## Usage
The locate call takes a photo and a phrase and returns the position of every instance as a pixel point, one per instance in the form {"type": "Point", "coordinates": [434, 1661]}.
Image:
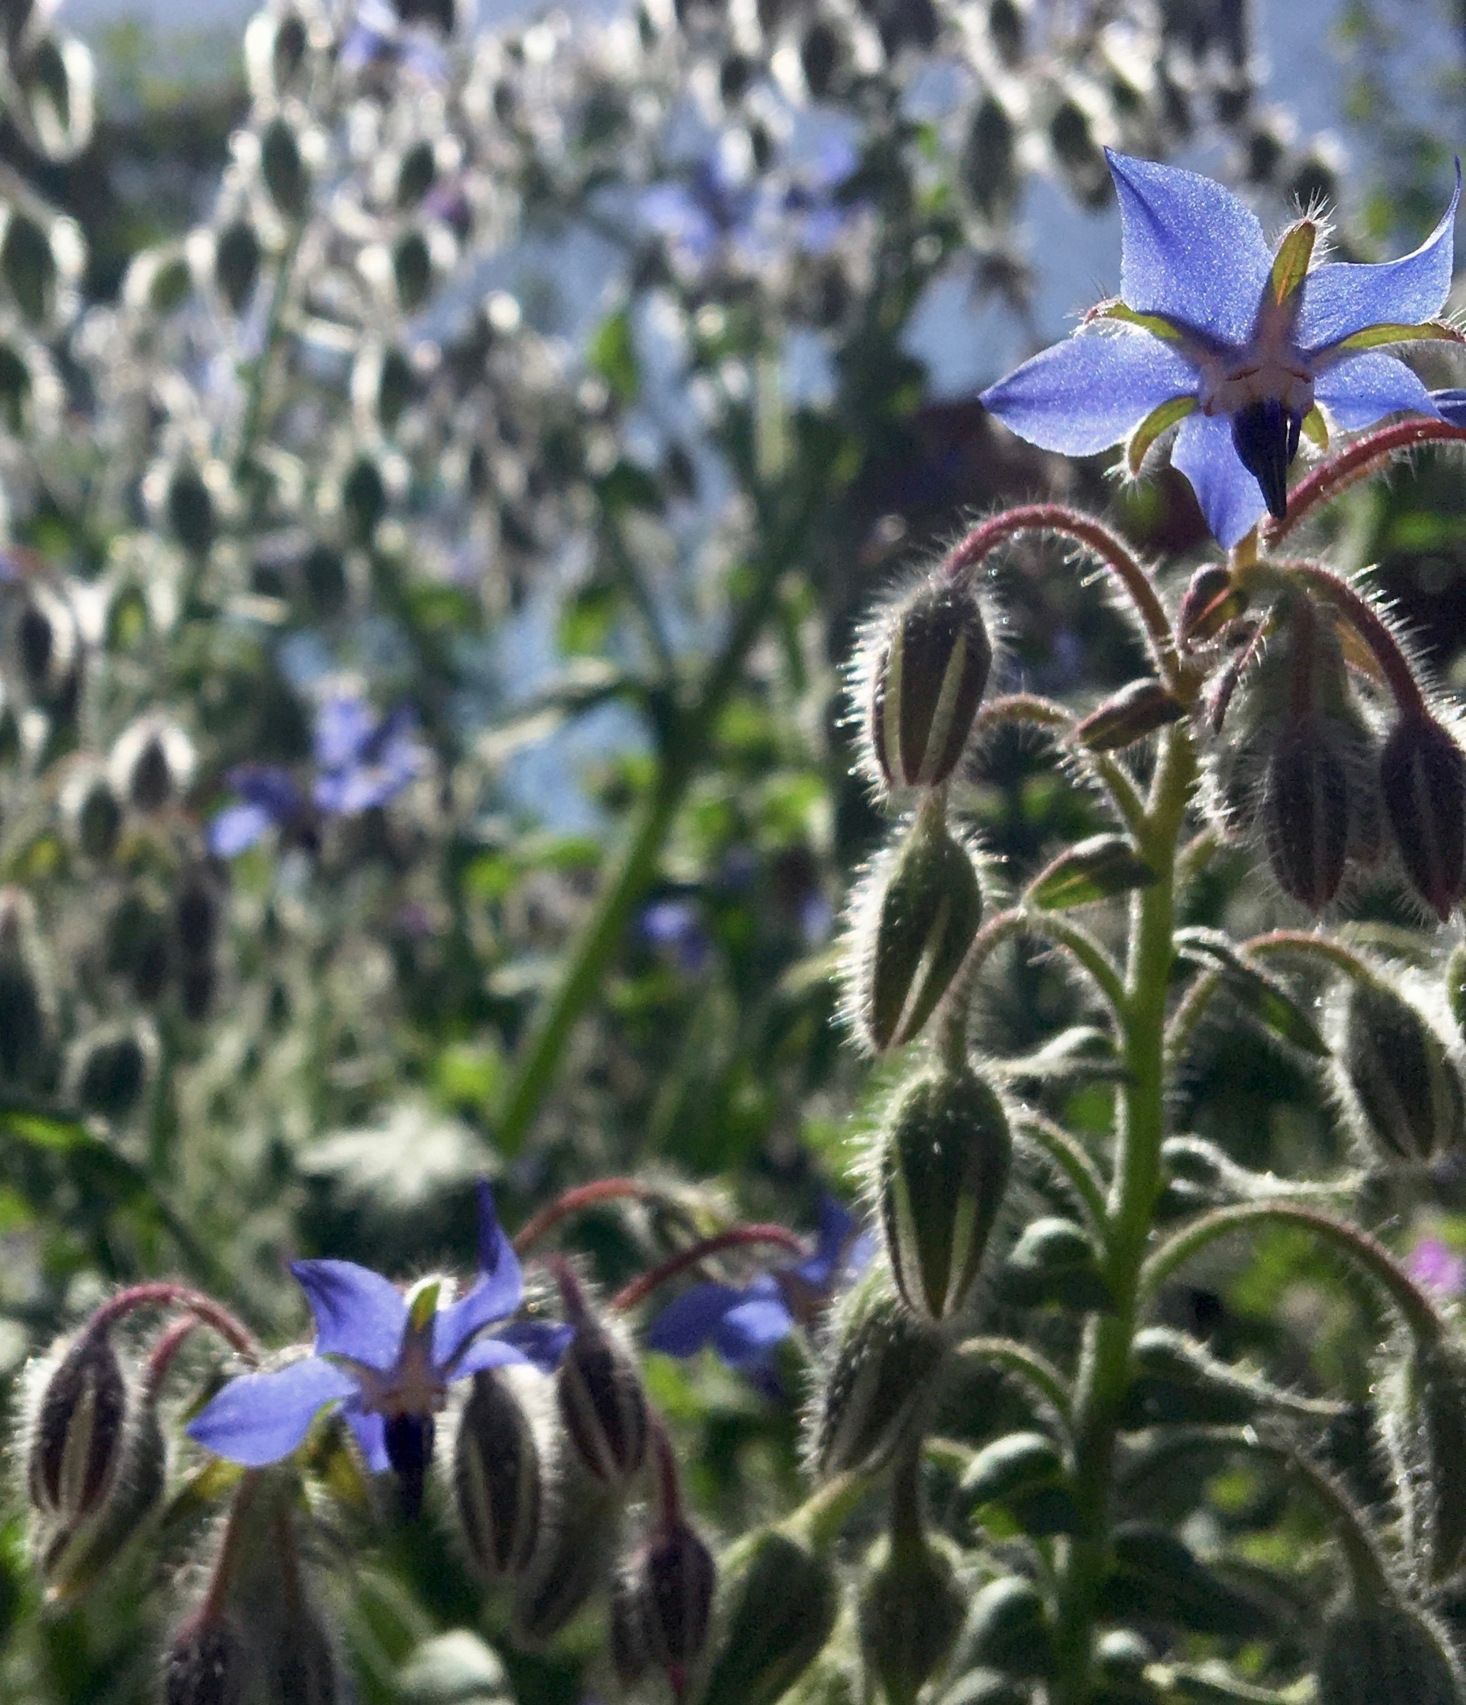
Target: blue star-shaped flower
{"type": "Point", "coordinates": [384, 1359]}
{"type": "Point", "coordinates": [746, 1323]}
{"type": "Point", "coordinates": [362, 761]}
{"type": "Point", "coordinates": [1244, 346]}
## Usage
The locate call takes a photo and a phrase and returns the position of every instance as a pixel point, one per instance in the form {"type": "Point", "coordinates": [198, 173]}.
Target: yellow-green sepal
{"type": "Point", "coordinates": [1290, 263]}
{"type": "Point", "coordinates": [1159, 420]}
{"type": "Point", "coordinates": [422, 1302]}
{"type": "Point", "coordinates": [1315, 428]}
{"type": "Point", "coordinates": [1372, 337]}
{"type": "Point", "coordinates": [1156, 324]}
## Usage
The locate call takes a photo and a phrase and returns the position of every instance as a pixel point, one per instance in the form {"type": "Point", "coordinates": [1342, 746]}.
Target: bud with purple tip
{"type": "Point", "coordinates": [1423, 782]}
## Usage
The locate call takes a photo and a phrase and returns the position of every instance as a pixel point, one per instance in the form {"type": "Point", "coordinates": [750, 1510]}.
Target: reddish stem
{"type": "Point", "coordinates": [161, 1357]}
{"type": "Point", "coordinates": [1371, 628]}
{"type": "Point", "coordinates": [1354, 463]}
{"type": "Point", "coordinates": [1073, 524]}
{"type": "Point", "coordinates": [163, 1294]}
{"type": "Point", "coordinates": [573, 1202]}
{"type": "Point", "coordinates": [739, 1236]}
{"type": "Point", "coordinates": [669, 1486]}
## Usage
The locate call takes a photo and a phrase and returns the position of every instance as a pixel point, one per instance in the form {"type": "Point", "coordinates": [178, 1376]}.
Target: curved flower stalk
{"type": "Point", "coordinates": [1248, 348]}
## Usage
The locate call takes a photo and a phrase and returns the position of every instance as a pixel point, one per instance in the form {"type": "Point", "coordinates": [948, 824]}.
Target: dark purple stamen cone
{"type": "Point", "coordinates": [602, 1404]}
{"type": "Point", "coordinates": [80, 1431]}
{"type": "Point", "coordinates": [1423, 779]}
{"type": "Point", "coordinates": [1265, 436]}
{"type": "Point", "coordinates": [497, 1479]}
{"type": "Point", "coordinates": [680, 1576]}
{"type": "Point", "coordinates": [410, 1450]}
{"type": "Point", "coordinates": [1307, 809]}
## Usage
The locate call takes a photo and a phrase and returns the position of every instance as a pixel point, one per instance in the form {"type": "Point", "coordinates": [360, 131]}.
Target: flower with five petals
{"type": "Point", "coordinates": [385, 1360]}
{"type": "Point", "coordinates": [1246, 347]}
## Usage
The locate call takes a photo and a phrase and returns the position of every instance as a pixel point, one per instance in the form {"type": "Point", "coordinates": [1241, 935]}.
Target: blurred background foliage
{"type": "Point", "coordinates": [474, 446]}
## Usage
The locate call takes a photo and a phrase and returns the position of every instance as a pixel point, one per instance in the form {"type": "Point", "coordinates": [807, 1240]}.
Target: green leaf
{"type": "Point", "coordinates": [1096, 869]}
{"type": "Point", "coordinates": [1254, 990]}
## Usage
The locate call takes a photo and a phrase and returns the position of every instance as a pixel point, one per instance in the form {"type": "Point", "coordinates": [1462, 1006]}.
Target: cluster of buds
{"type": "Point", "coordinates": [1328, 751]}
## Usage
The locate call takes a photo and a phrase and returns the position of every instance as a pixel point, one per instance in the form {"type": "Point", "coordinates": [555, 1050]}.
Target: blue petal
{"type": "Point", "coordinates": [689, 1321]}
{"type": "Point", "coordinates": [358, 1313]}
{"type": "Point", "coordinates": [344, 724]}
{"type": "Point", "coordinates": [486, 1353]}
{"type": "Point", "coordinates": [1361, 388]}
{"type": "Point", "coordinates": [836, 1234]}
{"type": "Point", "coordinates": [371, 1436]}
{"type": "Point", "coordinates": [1451, 406]}
{"type": "Point", "coordinates": [237, 828]}
{"type": "Point", "coordinates": [748, 1332]}
{"type": "Point", "coordinates": [1230, 497]}
{"type": "Point", "coordinates": [1340, 299]}
{"type": "Point", "coordinates": [1189, 249]}
{"type": "Point", "coordinates": [543, 1342]}
{"type": "Point", "coordinates": [1090, 391]}
{"type": "Point", "coordinates": [496, 1295]}
{"type": "Point", "coordinates": [261, 1417]}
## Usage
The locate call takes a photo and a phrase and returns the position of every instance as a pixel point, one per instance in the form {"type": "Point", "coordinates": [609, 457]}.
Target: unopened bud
{"type": "Point", "coordinates": [679, 1576]}
{"type": "Point", "coordinates": [498, 1480]}
{"type": "Point", "coordinates": [188, 505]}
{"type": "Point", "coordinates": [237, 254]}
{"type": "Point", "coordinates": [1025, 1474]}
{"type": "Point", "coordinates": [1053, 1261]}
{"type": "Point", "coordinates": [1007, 26]}
{"type": "Point", "coordinates": [283, 168]}
{"type": "Point", "coordinates": [778, 1610]}
{"type": "Point", "coordinates": [929, 909]}
{"type": "Point", "coordinates": [1210, 602]}
{"type": "Point", "coordinates": [1398, 1075]}
{"type": "Point", "coordinates": [196, 914]}
{"type": "Point", "coordinates": [911, 1610]}
{"type": "Point", "coordinates": [929, 679]}
{"type": "Point", "coordinates": [363, 498]}
{"type": "Point", "coordinates": [989, 155]}
{"type": "Point", "coordinates": [882, 1369]}
{"type": "Point", "coordinates": [1386, 1654]}
{"type": "Point", "coordinates": [138, 945]}
{"type": "Point", "coordinates": [1423, 781]}
{"type": "Point", "coordinates": [1127, 716]}
{"type": "Point", "coordinates": [412, 270]}
{"type": "Point", "coordinates": [1308, 809]}
{"type": "Point", "coordinates": [602, 1403]}
{"type": "Point", "coordinates": [152, 763]}
{"type": "Point", "coordinates": [25, 1010]}
{"type": "Point", "coordinates": [1174, 1381]}
{"type": "Point", "coordinates": [93, 814]}
{"type": "Point", "coordinates": [943, 1170]}
{"type": "Point", "coordinates": [205, 1665]}
{"type": "Point", "coordinates": [111, 1072]}
{"type": "Point", "coordinates": [1424, 1423]}
{"type": "Point", "coordinates": [1010, 1629]}
{"type": "Point", "coordinates": [574, 1559]}
{"type": "Point", "coordinates": [80, 1431]}
{"type": "Point", "coordinates": [29, 267]}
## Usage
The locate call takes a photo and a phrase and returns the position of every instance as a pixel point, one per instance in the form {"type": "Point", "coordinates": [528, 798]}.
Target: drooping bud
{"type": "Point", "coordinates": [1386, 1654]}
{"type": "Point", "coordinates": [80, 1434]}
{"type": "Point", "coordinates": [1210, 601]}
{"type": "Point", "coordinates": [364, 497]}
{"type": "Point", "coordinates": [283, 169]}
{"type": "Point", "coordinates": [1307, 808]}
{"type": "Point", "coordinates": [1423, 1412]}
{"type": "Point", "coordinates": [943, 1171]}
{"type": "Point", "coordinates": [25, 1009]}
{"type": "Point", "coordinates": [912, 1607]}
{"type": "Point", "coordinates": [929, 909]}
{"type": "Point", "coordinates": [498, 1479]}
{"type": "Point", "coordinates": [601, 1400]}
{"type": "Point", "coordinates": [1025, 1475]}
{"type": "Point", "coordinates": [988, 157]}
{"type": "Point", "coordinates": [1423, 782]}
{"type": "Point", "coordinates": [1175, 1381]}
{"type": "Point", "coordinates": [882, 1368]}
{"type": "Point", "coordinates": [152, 762]}
{"type": "Point", "coordinates": [1053, 1261]}
{"type": "Point", "coordinates": [1398, 1075]}
{"type": "Point", "coordinates": [928, 681]}
{"type": "Point", "coordinates": [778, 1609]}
{"type": "Point", "coordinates": [1010, 1629]}
{"type": "Point", "coordinates": [237, 254]}
{"type": "Point", "coordinates": [205, 1664]}
{"type": "Point", "coordinates": [110, 1072]}
{"type": "Point", "coordinates": [679, 1575]}
{"type": "Point", "coordinates": [93, 814]}
{"type": "Point", "coordinates": [189, 507]}
{"type": "Point", "coordinates": [29, 267]}
{"type": "Point", "coordinates": [1156, 1577]}
{"type": "Point", "coordinates": [574, 1558]}
{"type": "Point", "coordinates": [1127, 716]}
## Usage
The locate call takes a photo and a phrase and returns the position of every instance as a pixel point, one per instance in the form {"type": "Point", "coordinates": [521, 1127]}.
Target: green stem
{"type": "Point", "coordinates": [543, 1053]}
{"type": "Point", "coordinates": [1036, 1371]}
{"type": "Point", "coordinates": [1104, 1368]}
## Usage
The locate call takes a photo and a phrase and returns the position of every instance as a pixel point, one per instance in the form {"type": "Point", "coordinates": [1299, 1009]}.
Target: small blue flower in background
{"type": "Point", "coordinates": [378, 38]}
{"type": "Point", "coordinates": [745, 1324]}
{"type": "Point", "coordinates": [674, 928]}
{"type": "Point", "coordinates": [1433, 1264]}
{"type": "Point", "coordinates": [362, 762]}
{"type": "Point", "coordinates": [1244, 346]}
{"type": "Point", "coordinates": [384, 1359]}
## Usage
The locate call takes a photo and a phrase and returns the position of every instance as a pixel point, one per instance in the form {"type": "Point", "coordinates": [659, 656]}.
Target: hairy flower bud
{"type": "Point", "coordinates": [943, 1171]}
{"type": "Point", "coordinates": [93, 814]}
{"type": "Point", "coordinates": [573, 1560]}
{"type": "Point", "coordinates": [1423, 1412]}
{"type": "Point", "coordinates": [71, 1557]}
{"type": "Point", "coordinates": [1010, 1629]}
{"type": "Point", "coordinates": [29, 267]}
{"type": "Point", "coordinates": [912, 1607]}
{"type": "Point", "coordinates": [882, 1368]}
{"type": "Point", "coordinates": [110, 1072]}
{"type": "Point", "coordinates": [189, 507]}
{"type": "Point", "coordinates": [25, 1008]}
{"type": "Point", "coordinates": [1423, 782]}
{"type": "Point", "coordinates": [1127, 716]}
{"type": "Point", "coordinates": [1310, 806]}
{"type": "Point", "coordinates": [930, 906]}
{"type": "Point", "coordinates": [778, 1609]}
{"type": "Point", "coordinates": [602, 1404]}
{"type": "Point", "coordinates": [80, 1432]}
{"type": "Point", "coordinates": [1053, 1261]}
{"type": "Point", "coordinates": [1398, 1075]}
{"type": "Point", "coordinates": [929, 677]}
{"type": "Point", "coordinates": [237, 255]}
{"type": "Point", "coordinates": [1210, 601]}
{"type": "Point", "coordinates": [678, 1576]}
{"type": "Point", "coordinates": [152, 762]}
{"type": "Point", "coordinates": [1386, 1654]}
{"type": "Point", "coordinates": [204, 1665]}
{"type": "Point", "coordinates": [283, 169]}
{"type": "Point", "coordinates": [1026, 1475]}
{"type": "Point", "coordinates": [497, 1479]}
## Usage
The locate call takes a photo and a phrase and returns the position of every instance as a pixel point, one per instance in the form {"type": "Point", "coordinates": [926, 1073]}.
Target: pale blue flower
{"type": "Point", "coordinates": [1247, 347]}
